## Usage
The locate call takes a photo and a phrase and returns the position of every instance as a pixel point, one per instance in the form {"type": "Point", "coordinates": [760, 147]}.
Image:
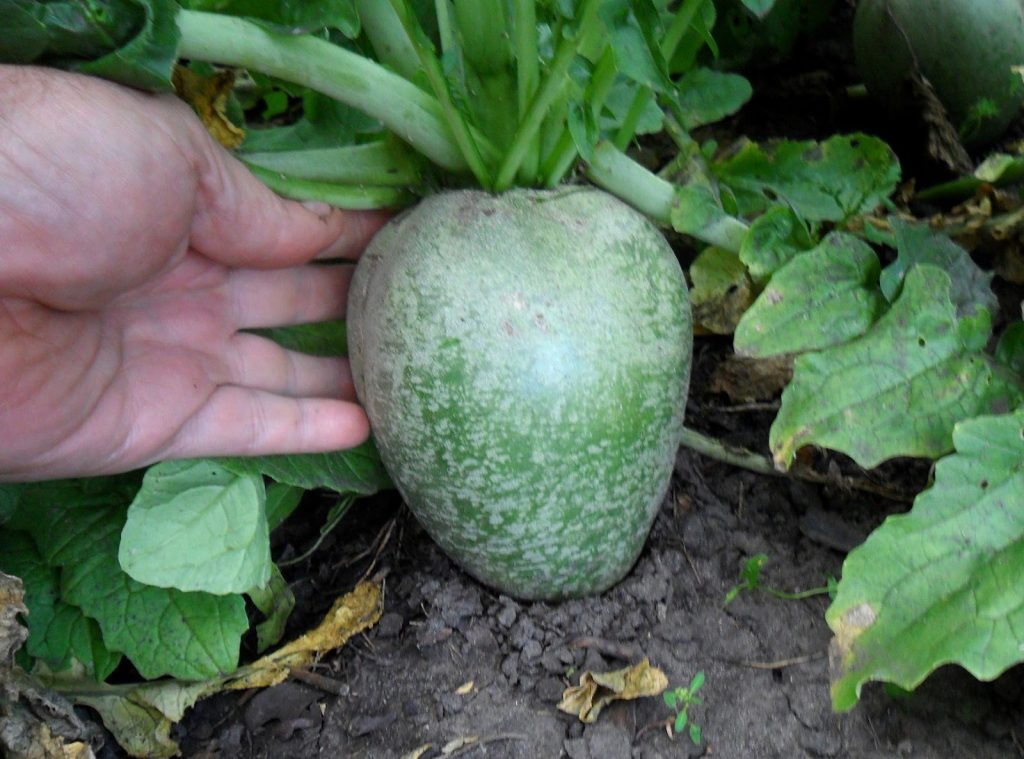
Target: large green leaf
{"type": "Point", "coordinates": [59, 633]}
{"type": "Point", "coordinates": [194, 525]}
{"type": "Point", "coordinates": [829, 181]}
{"type": "Point", "coordinates": [941, 584]}
{"type": "Point", "coordinates": [821, 298]}
{"type": "Point", "coordinates": [193, 636]}
{"type": "Point", "coordinates": [899, 389]}
{"type": "Point", "coordinates": [358, 470]}
{"type": "Point", "coordinates": [918, 244]}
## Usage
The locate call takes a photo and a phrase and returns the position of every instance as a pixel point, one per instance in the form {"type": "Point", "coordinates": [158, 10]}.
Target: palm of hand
{"type": "Point", "coordinates": [139, 250]}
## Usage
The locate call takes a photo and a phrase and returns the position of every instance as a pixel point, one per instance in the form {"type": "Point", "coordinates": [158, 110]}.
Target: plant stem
{"type": "Point", "coordinates": [401, 106]}
{"type": "Point", "coordinates": [798, 596]}
{"type": "Point", "coordinates": [435, 75]}
{"type": "Point", "coordinates": [390, 42]}
{"type": "Point", "coordinates": [552, 87]}
{"type": "Point", "coordinates": [680, 24]}
{"type": "Point", "coordinates": [622, 176]}
{"type": "Point", "coordinates": [561, 158]}
{"type": "Point", "coordinates": [719, 451]}
{"type": "Point", "coordinates": [374, 163]}
{"type": "Point", "coordinates": [352, 197]}
{"type": "Point", "coordinates": [527, 72]}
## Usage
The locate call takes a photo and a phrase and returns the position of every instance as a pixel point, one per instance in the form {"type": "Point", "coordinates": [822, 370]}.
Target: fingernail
{"type": "Point", "coordinates": [321, 209]}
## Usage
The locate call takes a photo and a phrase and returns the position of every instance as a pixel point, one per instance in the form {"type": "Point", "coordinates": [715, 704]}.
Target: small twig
{"type": "Point", "coordinates": [382, 540]}
{"type": "Point", "coordinates": [481, 742]}
{"type": "Point", "coordinates": [781, 663]}
{"type": "Point", "coordinates": [624, 651]}
{"type": "Point", "coordinates": [326, 684]}
{"type": "Point", "coordinates": [1016, 742]}
{"type": "Point", "coordinates": [659, 725]}
{"type": "Point", "coordinates": [754, 462]}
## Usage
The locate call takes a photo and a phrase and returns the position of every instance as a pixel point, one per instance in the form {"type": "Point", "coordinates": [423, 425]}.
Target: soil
{"type": "Point", "coordinates": [454, 667]}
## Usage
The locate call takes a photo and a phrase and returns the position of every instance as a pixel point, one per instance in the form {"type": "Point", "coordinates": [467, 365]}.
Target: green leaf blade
{"type": "Point", "coordinates": [833, 180]}
{"type": "Point", "coordinates": [821, 298]}
{"type": "Point", "coordinates": [195, 526]}
{"type": "Point", "coordinates": [940, 584]}
{"type": "Point", "coordinates": [357, 470]}
{"type": "Point", "coordinates": [898, 390]}
{"type": "Point", "coordinates": [59, 633]}
{"type": "Point", "coordinates": [193, 636]}
{"type": "Point", "coordinates": [706, 96]}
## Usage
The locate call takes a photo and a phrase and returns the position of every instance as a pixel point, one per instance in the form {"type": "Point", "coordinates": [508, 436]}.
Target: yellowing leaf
{"type": "Point", "coordinates": [721, 290]}
{"type": "Point", "coordinates": [208, 97]}
{"type": "Point", "coordinates": [597, 690]}
{"type": "Point", "coordinates": [12, 603]}
{"type": "Point", "coordinates": [351, 614]}
{"type": "Point", "coordinates": [141, 717]}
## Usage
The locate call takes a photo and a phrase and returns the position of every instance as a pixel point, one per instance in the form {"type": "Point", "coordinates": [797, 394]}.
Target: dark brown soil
{"type": "Point", "coordinates": [404, 683]}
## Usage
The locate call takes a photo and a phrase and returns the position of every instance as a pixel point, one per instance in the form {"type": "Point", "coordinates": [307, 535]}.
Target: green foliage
{"type": "Point", "coordinates": [358, 470]}
{"type": "Point", "coordinates": [290, 15]}
{"type": "Point", "coordinates": [750, 580]}
{"type": "Point", "coordinates": [75, 526]}
{"type": "Point", "coordinates": [59, 632]}
{"type": "Point", "coordinates": [129, 41]}
{"type": "Point", "coordinates": [196, 526]}
{"type": "Point", "coordinates": [706, 96]}
{"type": "Point", "coordinates": [680, 700]}
{"type": "Point", "coordinates": [821, 298]}
{"type": "Point", "coordinates": [899, 389]}
{"type": "Point", "coordinates": [834, 180]}
{"type": "Point", "coordinates": [940, 584]}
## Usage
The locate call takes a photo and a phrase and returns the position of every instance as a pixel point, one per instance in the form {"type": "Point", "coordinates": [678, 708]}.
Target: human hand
{"type": "Point", "coordinates": [133, 250]}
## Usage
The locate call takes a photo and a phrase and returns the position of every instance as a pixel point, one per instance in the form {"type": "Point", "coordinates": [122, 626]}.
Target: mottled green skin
{"type": "Point", "coordinates": [524, 361]}
{"type": "Point", "coordinates": [966, 49]}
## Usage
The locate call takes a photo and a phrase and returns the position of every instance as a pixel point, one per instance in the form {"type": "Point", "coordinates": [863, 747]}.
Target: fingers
{"type": "Point", "coordinates": [237, 421]}
{"type": "Point", "coordinates": [238, 221]}
{"type": "Point", "coordinates": [299, 295]}
{"type": "Point", "coordinates": [258, 363]}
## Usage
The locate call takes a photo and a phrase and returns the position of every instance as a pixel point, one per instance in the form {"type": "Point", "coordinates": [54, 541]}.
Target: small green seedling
{"type": "Point", "coordinates": [679, 700]}
{"type": "Point", "coordinates": [750, 579]}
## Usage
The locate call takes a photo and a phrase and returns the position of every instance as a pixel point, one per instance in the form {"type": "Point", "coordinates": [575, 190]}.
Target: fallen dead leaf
{"type": "Point", "coordinates": [141, 716]}
{"type": "Point", "coordinates": [597, 690]}
{"type": "Point", "coordinates": [459, 743]}
{"type": "Point", "coordinates": [351, 614]}
{"type": "Point", "coordinates": [722, 290]}
{"type": "Point", "coordinates": [34, 724]}
{"type": "Point", "coordinates": [416, 753]}
{"type": "Point", "coordinates": [746, 380]}
{"type": "Point", "coordinates": [208, 97]}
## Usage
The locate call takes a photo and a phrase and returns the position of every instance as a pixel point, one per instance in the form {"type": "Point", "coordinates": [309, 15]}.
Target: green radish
{"type": "Point", "coordinates": [524, 360]}
{"type": "Point", "coordinates": [969, 51]}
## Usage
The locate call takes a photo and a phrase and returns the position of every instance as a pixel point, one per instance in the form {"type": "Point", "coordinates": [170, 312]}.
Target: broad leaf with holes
{"type": "Point", "coordinates": [832, 180]}
{"type": "Point", "coordinates": [899, 389]}
{"type": "Point", "coordinates": [941, 584]}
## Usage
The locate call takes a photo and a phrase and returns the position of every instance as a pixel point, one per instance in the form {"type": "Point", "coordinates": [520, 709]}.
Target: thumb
{"type": "Point", "coordinates": [239, 222]}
